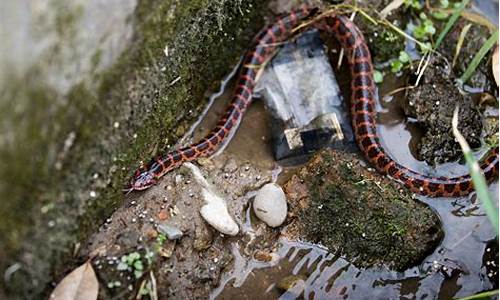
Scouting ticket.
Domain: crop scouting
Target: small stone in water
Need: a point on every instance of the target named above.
(170, 231)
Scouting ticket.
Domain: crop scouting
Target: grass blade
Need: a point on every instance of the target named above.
(450, 23)
(482, 295)
(477, 175)
(479, 56)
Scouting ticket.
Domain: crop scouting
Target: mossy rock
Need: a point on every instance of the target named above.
(360, 214)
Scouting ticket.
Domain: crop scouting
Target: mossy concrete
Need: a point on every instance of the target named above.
(359, 214)
(63, 174)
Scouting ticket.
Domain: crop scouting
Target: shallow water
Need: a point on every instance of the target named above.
(455, 269)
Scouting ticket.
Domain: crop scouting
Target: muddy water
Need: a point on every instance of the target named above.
(457, 268)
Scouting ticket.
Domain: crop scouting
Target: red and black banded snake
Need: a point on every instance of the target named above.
(362, 109)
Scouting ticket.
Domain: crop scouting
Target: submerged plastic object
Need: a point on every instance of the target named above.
(303, 96)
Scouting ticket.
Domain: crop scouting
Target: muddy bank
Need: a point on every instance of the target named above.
(67, 177)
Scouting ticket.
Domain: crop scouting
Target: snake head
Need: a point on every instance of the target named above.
(141, 181)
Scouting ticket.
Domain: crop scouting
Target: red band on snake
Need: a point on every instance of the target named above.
(363, 95)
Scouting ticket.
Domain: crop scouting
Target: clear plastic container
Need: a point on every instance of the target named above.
(300, 91)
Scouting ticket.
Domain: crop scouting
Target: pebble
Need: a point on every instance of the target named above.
(170, 231)
(270, 205)
(163, 215)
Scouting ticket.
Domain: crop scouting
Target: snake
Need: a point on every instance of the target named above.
(363, 114)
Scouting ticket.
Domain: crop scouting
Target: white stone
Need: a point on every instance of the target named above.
(215, 209)
(270, 205)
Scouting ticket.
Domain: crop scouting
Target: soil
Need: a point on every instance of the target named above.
(432, 104)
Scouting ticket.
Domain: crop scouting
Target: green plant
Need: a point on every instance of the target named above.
(133, 263)
(378, 76)
(478, 57)
(415, 4)
(402, 60)
(425, 29)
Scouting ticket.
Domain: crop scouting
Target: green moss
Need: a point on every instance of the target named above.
(365, 217)
(204, 38)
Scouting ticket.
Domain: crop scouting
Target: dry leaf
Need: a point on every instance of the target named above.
(80, 284)
(390, 7)
(494, 64)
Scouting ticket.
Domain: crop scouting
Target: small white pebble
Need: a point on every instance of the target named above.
(135, 135)
(116, 124)
(93, 194)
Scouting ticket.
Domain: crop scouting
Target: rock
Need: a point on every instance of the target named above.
(216, 214)
(270, 205)
(215, 210)
(163, 215)
(372, 219)
(170, 231)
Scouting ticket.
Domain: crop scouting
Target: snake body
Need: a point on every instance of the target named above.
(363, 95)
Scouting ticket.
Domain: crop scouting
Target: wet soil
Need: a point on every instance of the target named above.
(187, 268)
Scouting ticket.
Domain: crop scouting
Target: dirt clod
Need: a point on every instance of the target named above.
(432, 104)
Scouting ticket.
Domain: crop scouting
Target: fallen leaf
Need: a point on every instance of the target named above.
(494, 64)
(80, 284)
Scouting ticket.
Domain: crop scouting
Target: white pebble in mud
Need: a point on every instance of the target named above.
(270, 205)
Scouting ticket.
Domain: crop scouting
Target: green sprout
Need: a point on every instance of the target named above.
(440, 14)
(378, 76)
(132, 263)
(415, 4)
(425, 29)
(402, 60)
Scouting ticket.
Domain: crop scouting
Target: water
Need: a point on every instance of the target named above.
(455, 269)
